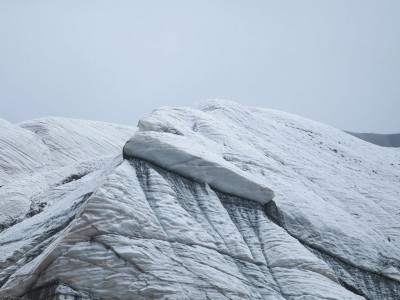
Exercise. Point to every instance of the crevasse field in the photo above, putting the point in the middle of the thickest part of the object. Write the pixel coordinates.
(221, 201)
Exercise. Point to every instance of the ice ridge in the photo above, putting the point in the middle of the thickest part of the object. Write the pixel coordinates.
(179, 154)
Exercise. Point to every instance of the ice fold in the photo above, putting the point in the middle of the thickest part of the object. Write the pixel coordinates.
(179, 154)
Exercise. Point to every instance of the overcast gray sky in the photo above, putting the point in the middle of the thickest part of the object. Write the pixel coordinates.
(335, 61)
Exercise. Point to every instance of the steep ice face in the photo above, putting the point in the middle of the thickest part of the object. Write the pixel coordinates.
(188, 214)
(52, 209)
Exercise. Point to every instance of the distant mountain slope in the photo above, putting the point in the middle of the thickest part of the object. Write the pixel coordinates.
(219, 202)
(385, 140)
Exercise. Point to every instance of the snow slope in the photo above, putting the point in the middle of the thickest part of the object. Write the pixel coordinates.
(189, 211)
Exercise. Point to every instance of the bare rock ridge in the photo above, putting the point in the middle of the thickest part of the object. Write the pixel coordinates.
(188, 211)
(385, 140)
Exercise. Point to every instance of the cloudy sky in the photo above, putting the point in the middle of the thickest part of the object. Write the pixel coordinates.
(334, 61)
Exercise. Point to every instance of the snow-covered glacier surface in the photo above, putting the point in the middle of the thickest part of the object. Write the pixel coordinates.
(218, 202)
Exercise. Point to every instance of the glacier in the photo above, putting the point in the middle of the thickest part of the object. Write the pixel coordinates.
(220, 201)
